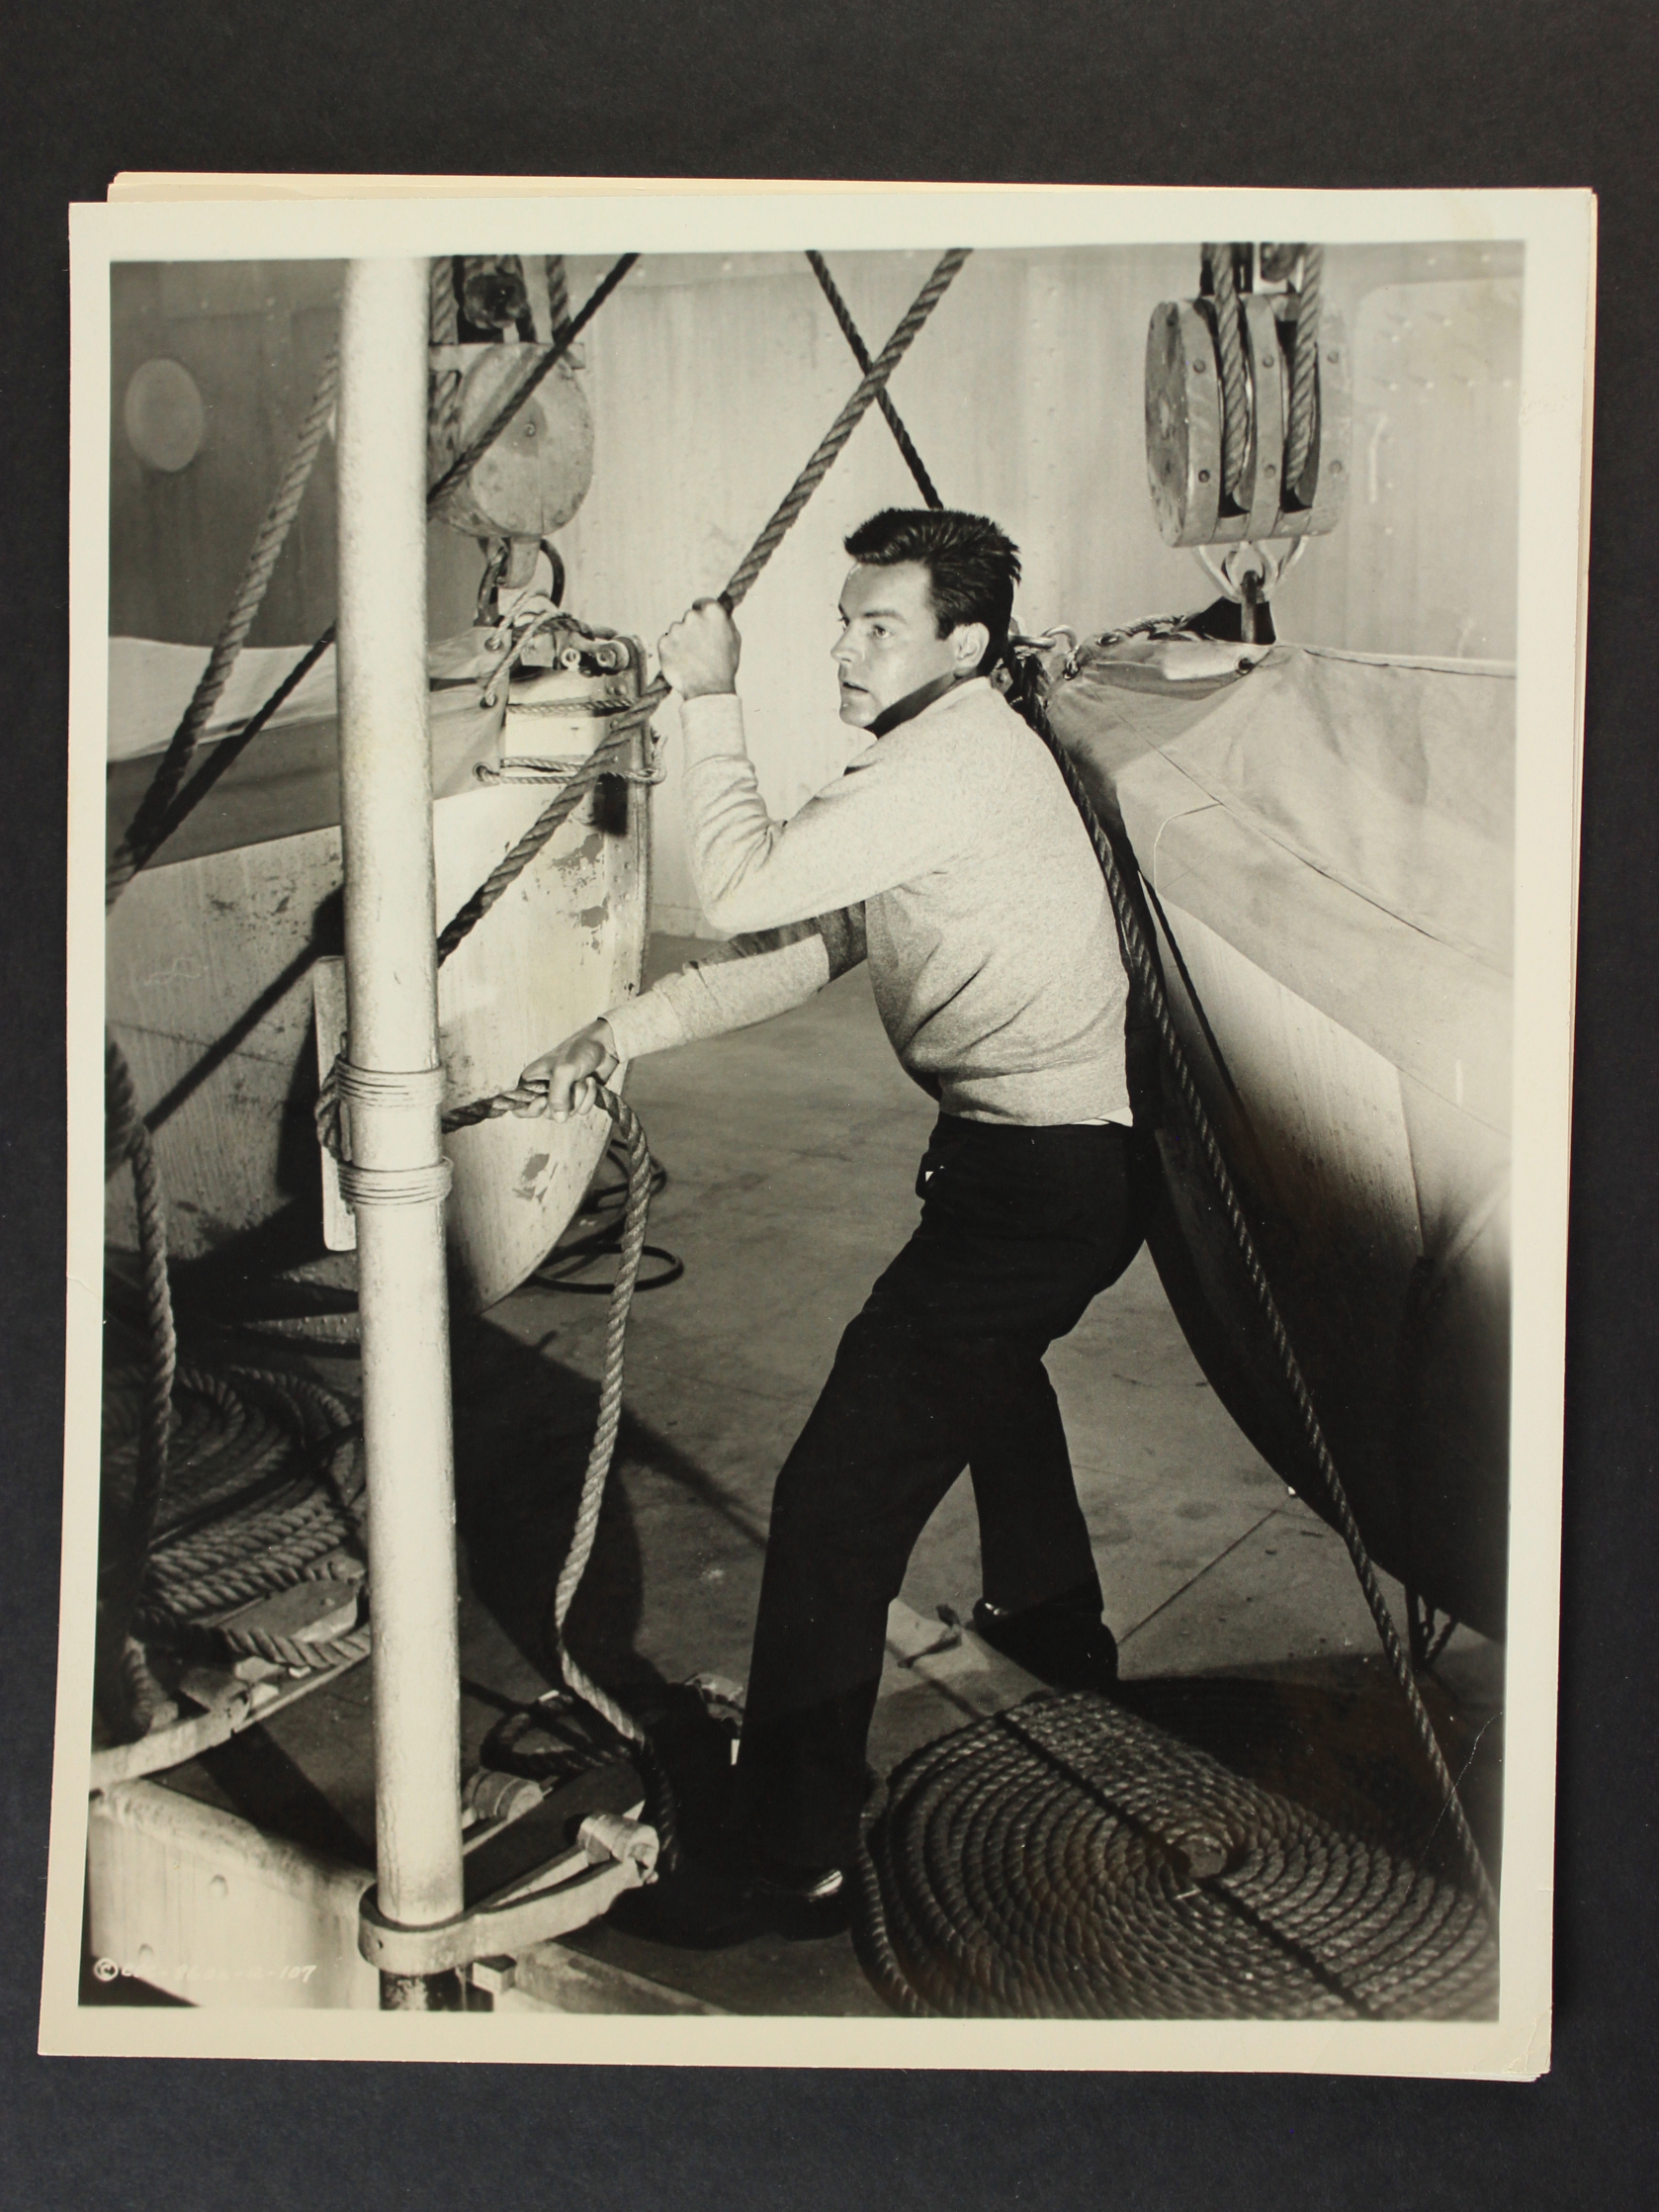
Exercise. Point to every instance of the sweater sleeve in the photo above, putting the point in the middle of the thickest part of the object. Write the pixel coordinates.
(740, 983)
(890, 818)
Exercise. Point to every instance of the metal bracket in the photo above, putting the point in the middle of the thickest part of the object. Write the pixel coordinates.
(612, 1854)
(227, 1701)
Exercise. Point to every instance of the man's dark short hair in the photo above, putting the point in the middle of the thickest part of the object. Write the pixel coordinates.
(971, 566)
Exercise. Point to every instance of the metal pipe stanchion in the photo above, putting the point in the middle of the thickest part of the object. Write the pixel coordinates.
(391, 1086)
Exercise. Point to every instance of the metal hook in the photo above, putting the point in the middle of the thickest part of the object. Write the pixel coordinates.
(1229, 572)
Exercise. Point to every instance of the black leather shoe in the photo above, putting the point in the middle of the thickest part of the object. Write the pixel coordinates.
(1063, 1641)
(802, 1904)
(703, 1908)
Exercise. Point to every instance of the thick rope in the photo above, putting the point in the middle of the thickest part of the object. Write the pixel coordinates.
(1145, 973)
(545, 768)
(884, 399)
(609, 758)
(835, 437)
(558, 289)
(127, 1139)
(299, 1651)
(609, 1416)
(139, 1700)
(230, 749)
(512, 864)
(1235, 378)
(1304, 374)
(214, 1570)
(141, 839)
(445, 324)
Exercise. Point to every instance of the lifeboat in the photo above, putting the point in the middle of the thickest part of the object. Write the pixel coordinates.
(1324, 843)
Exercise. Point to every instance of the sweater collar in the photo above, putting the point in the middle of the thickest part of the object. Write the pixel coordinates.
(917, 702)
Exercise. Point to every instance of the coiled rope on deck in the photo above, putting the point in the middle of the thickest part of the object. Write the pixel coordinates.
(255, 1485)
(264, 1491)
(251, 1477)
(1068, 1859)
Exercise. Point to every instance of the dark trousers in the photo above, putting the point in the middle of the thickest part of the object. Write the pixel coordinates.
(943, 1369)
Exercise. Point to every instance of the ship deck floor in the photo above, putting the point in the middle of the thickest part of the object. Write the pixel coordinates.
(791, 1154)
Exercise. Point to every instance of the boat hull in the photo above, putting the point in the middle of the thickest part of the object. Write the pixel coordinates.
(1323, 853)
(210, 982)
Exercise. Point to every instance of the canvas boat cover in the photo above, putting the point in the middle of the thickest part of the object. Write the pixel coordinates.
(1327, 844)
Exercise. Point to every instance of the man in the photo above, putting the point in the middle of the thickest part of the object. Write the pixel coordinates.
(949, 854)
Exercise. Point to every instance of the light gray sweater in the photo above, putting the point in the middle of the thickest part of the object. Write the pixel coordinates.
(992, 948)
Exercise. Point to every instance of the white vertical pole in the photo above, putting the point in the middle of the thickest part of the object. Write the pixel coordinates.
(391, 1090)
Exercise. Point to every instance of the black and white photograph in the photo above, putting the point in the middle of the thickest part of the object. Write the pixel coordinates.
(820, 1124)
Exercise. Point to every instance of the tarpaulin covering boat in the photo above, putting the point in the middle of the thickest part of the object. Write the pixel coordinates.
(1325, 842)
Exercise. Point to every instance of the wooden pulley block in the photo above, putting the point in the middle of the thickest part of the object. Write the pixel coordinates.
(1182, 423)
(1264, 466)
(536, 475)
(1185, 426)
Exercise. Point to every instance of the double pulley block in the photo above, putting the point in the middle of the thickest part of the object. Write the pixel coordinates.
(1248, 402)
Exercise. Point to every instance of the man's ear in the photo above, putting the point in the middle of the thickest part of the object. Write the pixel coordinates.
(970, 642)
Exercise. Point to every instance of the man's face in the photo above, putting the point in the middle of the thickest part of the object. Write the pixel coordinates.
(889, 644)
